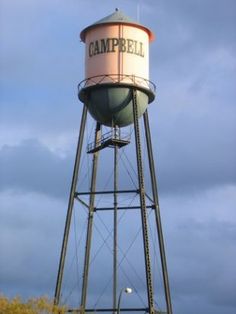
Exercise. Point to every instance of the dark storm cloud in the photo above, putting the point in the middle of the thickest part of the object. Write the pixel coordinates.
(194, 48)
(30, 235)
(32, 167)
(200, 262)
(196, 151)
(39, 72)
(184, 26)
(211, 22)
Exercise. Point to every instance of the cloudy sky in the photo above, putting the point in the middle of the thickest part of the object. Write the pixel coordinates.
(193, 121)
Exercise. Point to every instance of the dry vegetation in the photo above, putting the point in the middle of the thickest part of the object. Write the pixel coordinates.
(32, 306)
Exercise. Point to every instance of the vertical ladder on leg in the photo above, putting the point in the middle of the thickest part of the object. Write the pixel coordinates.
(143, 206)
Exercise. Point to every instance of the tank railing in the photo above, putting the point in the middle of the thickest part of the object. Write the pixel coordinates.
(114, 134)
(117, 79)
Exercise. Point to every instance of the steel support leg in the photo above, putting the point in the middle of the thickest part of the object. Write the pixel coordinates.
(157, 213)
(90, 221)
(115, 227)
(70, 208)
(143, 206)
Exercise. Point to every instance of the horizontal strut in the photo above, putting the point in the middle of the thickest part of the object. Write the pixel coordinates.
(106, 192)
(109, 310)
(121, 207)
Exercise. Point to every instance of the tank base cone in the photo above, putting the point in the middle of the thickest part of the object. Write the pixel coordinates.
(111, 104)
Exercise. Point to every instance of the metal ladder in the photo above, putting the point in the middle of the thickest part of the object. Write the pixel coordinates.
(143, 205)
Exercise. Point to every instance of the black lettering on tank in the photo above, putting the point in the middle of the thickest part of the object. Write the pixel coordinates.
(105, 45)
(130, 47)
(91, 47)
(141, 52)
(135, 48)
(96, 48)
(115, 43)
(122, 45)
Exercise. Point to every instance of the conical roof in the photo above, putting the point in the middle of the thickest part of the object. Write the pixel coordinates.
(118, 17)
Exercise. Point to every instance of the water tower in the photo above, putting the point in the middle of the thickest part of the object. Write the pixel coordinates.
(116, 91)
